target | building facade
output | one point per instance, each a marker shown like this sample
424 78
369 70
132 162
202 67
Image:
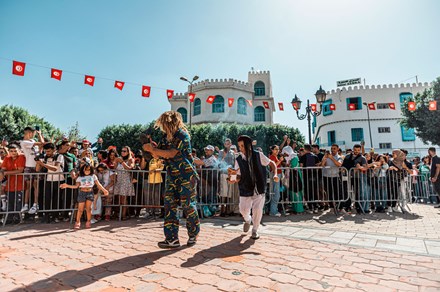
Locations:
347 127
248 104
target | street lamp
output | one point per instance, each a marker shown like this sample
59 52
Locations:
296 103
369 125
190 91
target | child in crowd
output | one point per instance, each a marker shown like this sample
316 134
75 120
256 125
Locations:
107 179
85 183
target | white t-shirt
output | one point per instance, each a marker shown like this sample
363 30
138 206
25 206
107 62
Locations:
87 181
265 161
52 162
30 151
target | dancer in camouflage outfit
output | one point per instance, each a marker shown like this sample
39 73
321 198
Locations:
180 184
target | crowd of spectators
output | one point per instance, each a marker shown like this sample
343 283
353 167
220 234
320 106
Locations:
311 179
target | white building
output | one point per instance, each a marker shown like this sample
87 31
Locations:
348 127
256 90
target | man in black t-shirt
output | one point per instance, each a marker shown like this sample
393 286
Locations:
311 178
435 171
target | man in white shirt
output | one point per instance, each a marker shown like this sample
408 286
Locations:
51 162
30 149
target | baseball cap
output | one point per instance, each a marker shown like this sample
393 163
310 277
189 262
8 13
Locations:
209 147
85 141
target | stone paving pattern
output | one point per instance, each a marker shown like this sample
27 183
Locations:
123 256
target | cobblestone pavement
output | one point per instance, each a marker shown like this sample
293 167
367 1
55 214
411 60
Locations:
123 256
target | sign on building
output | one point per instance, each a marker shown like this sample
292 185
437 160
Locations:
349 82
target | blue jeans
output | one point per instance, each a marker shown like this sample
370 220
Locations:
381 192
273 209
364 192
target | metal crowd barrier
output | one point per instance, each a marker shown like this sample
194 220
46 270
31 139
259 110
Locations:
309 187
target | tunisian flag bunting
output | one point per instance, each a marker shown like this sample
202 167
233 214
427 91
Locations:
89 80
411 106
281 106
433 105
351 106
249 101
230 101
170 93
392 105
56 74
266 104
210 99
146 91
313 106
18 68
192 97
119 84
372 106
332 107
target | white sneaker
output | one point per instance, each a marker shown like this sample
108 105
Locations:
33 209
25 208
275 215
389 210
93 221
396 209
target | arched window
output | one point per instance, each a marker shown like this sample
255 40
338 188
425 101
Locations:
197 106
259 114
259 88
241 108
218 106
184 114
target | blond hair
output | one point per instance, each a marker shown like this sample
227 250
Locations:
170 122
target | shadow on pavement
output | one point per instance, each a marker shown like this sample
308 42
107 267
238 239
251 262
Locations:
227 249
80 278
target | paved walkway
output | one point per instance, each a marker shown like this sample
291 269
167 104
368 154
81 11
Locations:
123 256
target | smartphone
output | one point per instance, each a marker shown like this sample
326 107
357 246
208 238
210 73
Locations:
37 128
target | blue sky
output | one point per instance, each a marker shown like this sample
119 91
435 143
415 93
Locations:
303 43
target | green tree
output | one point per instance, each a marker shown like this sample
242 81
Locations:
74 134
203 135
425 122
14 119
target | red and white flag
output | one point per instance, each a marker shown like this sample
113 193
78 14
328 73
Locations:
411 106
230 101
119 84
210 99
351 106
249 101
332 107
392 105
313 106
192 97
433 105
18 68
281 106
56 74
266 104
170 93
146 90
89 80
372 106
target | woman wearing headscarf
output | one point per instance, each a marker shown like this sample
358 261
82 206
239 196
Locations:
294 180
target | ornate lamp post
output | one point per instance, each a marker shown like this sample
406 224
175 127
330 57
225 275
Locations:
369 125
190 91
296 103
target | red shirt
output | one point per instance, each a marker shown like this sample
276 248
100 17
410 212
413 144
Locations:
14 182
276 160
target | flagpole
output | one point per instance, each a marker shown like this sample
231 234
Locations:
369 125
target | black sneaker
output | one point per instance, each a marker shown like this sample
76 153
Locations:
191 241
246 226
169 243
255 235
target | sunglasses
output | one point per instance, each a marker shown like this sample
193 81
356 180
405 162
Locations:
124 151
